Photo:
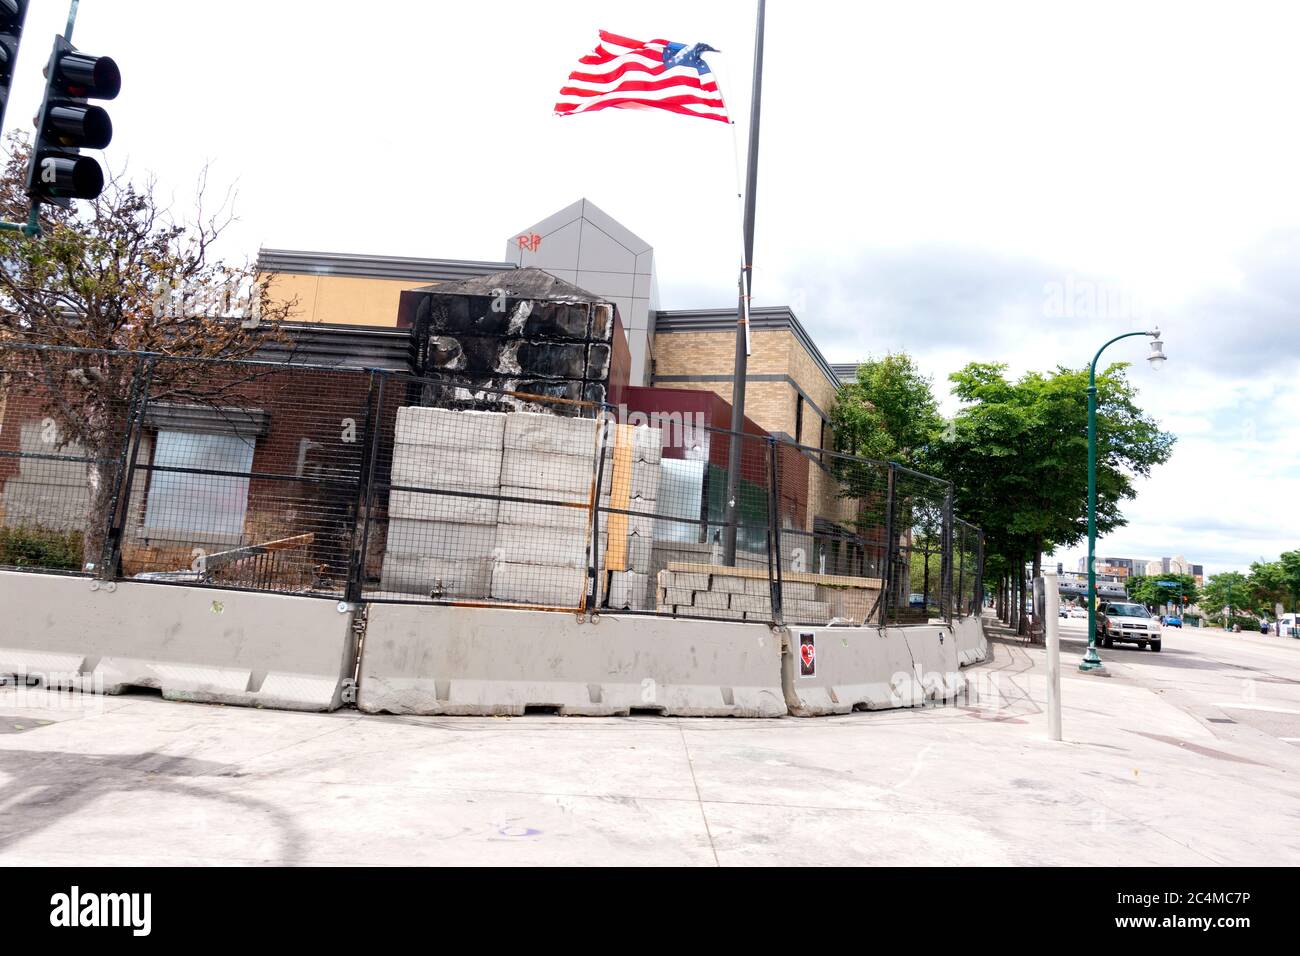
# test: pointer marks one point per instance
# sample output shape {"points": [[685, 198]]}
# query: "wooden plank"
{"points": [[792, 577], [620, 497], [222, 558]]}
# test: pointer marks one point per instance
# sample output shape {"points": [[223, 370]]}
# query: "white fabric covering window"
{"points": [[208, 504]]}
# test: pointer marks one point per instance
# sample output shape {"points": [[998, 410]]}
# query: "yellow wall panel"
{"points": [[343, 300]]}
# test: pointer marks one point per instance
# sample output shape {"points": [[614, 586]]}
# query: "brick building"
{"points": [[790, 385]]}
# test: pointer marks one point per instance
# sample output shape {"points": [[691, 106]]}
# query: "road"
{"points": [[1246, 685], [1186, 757]]}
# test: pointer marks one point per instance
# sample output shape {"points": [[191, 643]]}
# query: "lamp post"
{"points": [[1157, 357]]}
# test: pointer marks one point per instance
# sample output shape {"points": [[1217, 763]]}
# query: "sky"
{"points": [[1013, 182]]}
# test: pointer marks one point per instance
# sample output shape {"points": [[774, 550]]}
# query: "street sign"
{"points": [[1167, 584]]}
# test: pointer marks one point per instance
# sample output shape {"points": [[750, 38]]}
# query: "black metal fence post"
{"points": [[593, 595], [887, 573], [120, 504], [961, 570], [774, 532], [355, 588], [947, 556]]}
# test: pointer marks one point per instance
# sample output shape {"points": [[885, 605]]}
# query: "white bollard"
{"points": [[1051, 631]]}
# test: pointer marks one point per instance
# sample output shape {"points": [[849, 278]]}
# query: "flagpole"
{"points": [[742, 310]]}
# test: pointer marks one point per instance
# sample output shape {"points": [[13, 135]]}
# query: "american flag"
{"points": [[654, 74]]}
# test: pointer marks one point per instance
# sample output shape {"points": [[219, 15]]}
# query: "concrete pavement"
{"points": [[1150, 773]]}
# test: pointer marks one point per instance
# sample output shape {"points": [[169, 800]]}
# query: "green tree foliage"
{"points": [[889, 413], [1148, 590], [1227, 589], [1275, 582], [1017, 453], [1268, 586]]}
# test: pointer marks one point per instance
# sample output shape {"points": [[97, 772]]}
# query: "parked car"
{"points": [[1173, 622], [1128, 624], [1079, 612]]}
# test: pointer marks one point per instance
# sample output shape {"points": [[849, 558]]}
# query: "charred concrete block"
{"points": [[569, 390], [543, 359], [557, 320], [597, 368], [462, 315], [602, 321]]}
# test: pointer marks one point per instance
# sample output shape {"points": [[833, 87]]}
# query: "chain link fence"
{"points": [[371, 485]]}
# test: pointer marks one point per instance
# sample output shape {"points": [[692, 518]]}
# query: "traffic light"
{"points": [[12, 15], [68, 123]]}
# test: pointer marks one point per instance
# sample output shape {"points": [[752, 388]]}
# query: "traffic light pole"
{"points": [[32, 227]]}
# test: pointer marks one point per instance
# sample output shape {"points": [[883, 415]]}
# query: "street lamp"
{"points": [[1157, 358]]}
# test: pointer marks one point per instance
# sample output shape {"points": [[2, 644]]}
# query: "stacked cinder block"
{"points": [[632, 463], [442, 545], [735, 598], [542, 549]]}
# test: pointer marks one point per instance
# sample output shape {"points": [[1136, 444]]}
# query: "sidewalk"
{"points": [[1138, 781]]}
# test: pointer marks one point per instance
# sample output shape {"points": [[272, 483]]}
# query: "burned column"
{"points": [[523, 331]]}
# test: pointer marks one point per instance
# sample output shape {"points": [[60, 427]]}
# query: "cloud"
{"points": [[1229, 392]]}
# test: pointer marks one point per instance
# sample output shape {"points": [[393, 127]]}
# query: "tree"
{"points": [[888, 413], [1276, 582], [1149, 590], [1229, 589], [1017, 453], [1290, 561], [1268, 586], [120, 273]]}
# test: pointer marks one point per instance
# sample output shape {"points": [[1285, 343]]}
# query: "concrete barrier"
{"points": [[484, 661], [196, 644], [870, 668], [972, 644], [934, 652]]}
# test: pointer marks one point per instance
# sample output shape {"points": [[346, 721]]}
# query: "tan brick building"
{"points": [[790, 386]]}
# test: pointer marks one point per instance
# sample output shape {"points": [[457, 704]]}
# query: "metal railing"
{"points": [[373, 485]]}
